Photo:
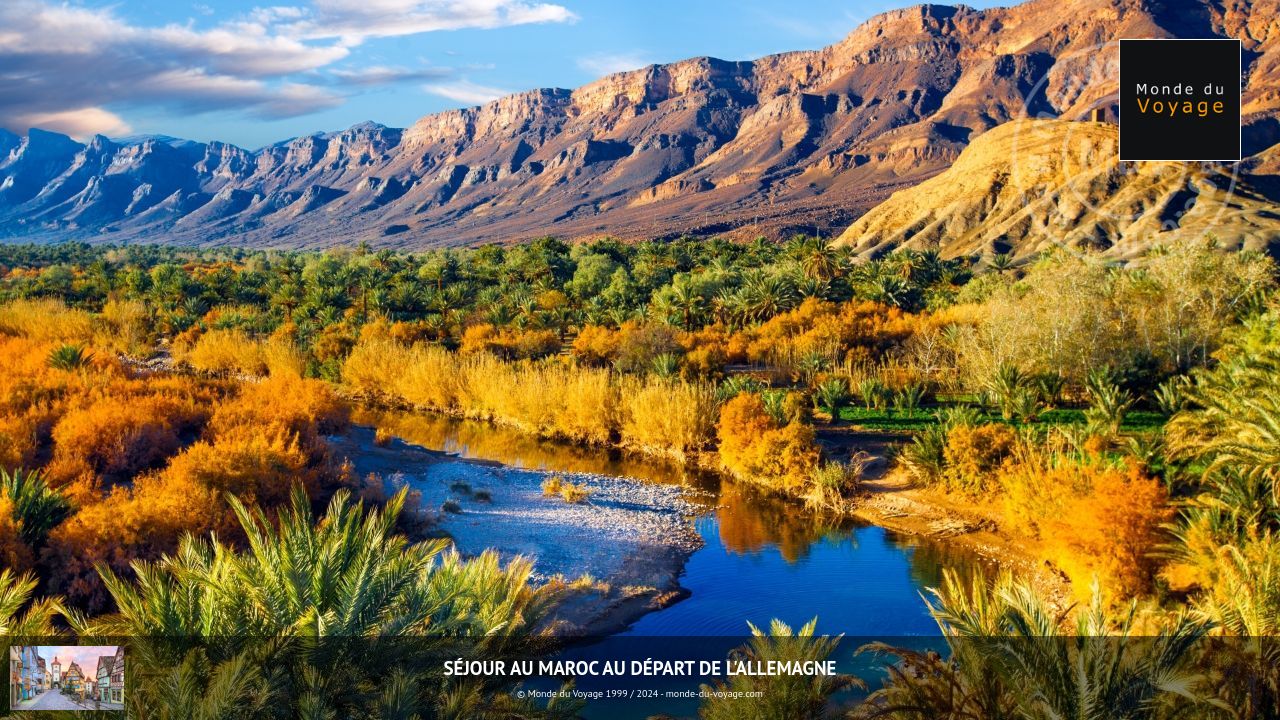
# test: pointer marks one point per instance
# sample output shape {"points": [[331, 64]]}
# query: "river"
{"points": [[761, 558]]}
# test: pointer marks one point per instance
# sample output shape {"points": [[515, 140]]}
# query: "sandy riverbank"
{"points": [[631, 537], [888, 499]]}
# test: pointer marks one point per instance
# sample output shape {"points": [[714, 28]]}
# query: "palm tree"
{"points": [[322, 611], [1006, 388], [1011, 658], [20, 616], [819, 259], [1001, 263], [683, 301], [69, 357], [794, 697], [766, 295], [37, 507], [830, 395], [1108, 402], [1236, 420], [1243, 602]]}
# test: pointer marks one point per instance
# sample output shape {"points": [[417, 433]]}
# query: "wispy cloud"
{"points": [[387, 75], [609, 63], [353, 21], [78, 69], [465, 91]]}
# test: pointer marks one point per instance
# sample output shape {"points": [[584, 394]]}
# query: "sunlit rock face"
{"points": [[803, 141]]}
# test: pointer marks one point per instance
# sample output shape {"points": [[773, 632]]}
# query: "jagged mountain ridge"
{"points": [[796, 141]]}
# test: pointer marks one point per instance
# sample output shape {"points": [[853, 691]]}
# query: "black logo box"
{"points": [[1190, 64]]}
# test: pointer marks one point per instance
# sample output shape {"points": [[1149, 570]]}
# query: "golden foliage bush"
{"points": [[45, 320], [129, 524], [847, 332], [584, 404], [255, 466], [106, 424], [595, 346], [509, 343], [1093, 518], [228, 350], [232, 351], [424, 376], [1035, 493], [546, 398], [753, 447], [667, 418], [114, 438], [257, 444], [14, 553], [20, 436], [126, 326], [285, 407], [1111, 532], [974, 452]]}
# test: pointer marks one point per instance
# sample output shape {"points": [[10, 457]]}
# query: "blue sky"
{"points": [[252, 73]]}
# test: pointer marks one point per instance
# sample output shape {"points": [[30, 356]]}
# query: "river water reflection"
{"points": [[763, 558]]}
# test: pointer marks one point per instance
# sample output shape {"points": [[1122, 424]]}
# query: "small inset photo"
{"points": [[66, 677]]}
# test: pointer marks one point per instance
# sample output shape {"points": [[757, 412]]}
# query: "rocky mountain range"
{"points": [[801, 141]]}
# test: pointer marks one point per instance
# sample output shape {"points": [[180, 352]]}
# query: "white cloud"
{"points": [[79, 123], [355, 20], [609, 63], [465, 91], [69, 63]]}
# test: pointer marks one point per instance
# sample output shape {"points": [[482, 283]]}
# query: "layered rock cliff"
{"points": [[800, 141], [1032, 185]]}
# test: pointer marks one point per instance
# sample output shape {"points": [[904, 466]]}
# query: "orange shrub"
{"points": [[127, 525], [753, 447], [974, 452], [114, 438], [737, 347], [1111, 532], [255, 466], [1039, 492], [595, 346], [705, 361], [303, 408], [509, 343], [706, 351], [224, 351], [481, 337], [534, 344], [258, 444], [852, 331], [20, 437], [333, 342], [411, 332], [14, 553]]}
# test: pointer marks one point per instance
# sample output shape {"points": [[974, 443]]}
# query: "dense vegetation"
{"points": [[1118, 422]]}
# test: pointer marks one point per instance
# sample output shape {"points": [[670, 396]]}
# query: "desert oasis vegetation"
{"points": [[870, 369]]}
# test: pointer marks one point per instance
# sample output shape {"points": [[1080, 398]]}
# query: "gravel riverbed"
{"points": [[628, 533]]}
